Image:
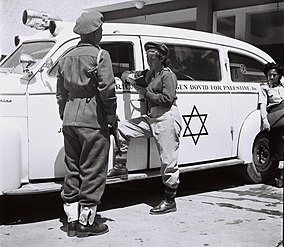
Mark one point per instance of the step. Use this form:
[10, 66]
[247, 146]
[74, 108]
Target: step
[47, 187]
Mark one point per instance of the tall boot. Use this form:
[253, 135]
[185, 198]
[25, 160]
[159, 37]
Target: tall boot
[119, 170]
[72, 212]
[87, 225]
[279, 180]
[168, 204]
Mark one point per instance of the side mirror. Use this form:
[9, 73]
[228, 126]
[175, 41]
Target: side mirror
[48, 63]
[27, 61]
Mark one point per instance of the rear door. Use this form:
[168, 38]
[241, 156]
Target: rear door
[246, 74]
[203, 102]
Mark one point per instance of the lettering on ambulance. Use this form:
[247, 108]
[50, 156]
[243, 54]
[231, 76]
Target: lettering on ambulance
[199, 87]
[182, 87]
[195, 135]
[6, 100]
[122, 86]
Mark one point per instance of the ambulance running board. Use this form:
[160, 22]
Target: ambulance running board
[39, 188]
[35, 188]
[183, 169]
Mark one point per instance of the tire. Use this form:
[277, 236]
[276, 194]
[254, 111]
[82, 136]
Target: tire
[262, 169]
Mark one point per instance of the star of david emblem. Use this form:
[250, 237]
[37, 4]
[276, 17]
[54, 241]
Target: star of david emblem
[195, 125]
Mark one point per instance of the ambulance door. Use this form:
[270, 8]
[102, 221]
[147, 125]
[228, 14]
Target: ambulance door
[125, 52]
[246, 74]
[46, 155]
[203, 103]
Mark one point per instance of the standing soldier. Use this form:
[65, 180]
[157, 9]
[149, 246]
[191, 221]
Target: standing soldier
[87, 106]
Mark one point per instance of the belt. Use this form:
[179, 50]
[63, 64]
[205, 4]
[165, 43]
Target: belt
[157, 111]
[81, 96]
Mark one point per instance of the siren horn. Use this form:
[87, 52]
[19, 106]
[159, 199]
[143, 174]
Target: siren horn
[38, 19]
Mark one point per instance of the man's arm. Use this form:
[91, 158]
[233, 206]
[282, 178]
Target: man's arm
[106, 87]
[167, 95]
[61, 95]
[263, 108]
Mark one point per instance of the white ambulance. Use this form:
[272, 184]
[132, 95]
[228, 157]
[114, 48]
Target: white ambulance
[218, 83]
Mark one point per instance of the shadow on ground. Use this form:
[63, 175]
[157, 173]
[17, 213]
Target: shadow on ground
[35, 208]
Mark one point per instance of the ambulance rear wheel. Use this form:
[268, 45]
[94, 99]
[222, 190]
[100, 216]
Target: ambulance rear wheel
[262, 169]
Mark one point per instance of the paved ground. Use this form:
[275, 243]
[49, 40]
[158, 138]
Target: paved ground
[215, 209]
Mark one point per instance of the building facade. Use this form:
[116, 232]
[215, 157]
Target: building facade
[259, 22]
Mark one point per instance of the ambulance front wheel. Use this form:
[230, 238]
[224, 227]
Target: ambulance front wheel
[261, 169]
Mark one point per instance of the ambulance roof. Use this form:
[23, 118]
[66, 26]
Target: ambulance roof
[129, 29]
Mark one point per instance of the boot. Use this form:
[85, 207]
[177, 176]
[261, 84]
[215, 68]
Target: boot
[118, 171]
[167, 205]
[279, 181]
[87, 225]
[71, 210]
[91, 230]
[72, 228]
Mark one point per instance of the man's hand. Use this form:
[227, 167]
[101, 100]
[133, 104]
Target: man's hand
[113, 130]
[112, 119]
[141, 90]
[124, 76]
[265, 124]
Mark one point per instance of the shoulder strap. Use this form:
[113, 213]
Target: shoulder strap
[99, 55]
[94, 69]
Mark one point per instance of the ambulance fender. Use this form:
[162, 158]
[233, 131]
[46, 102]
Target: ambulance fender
[10, 155]
[248, 132]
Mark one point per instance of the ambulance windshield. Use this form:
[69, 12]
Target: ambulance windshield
[36, 50]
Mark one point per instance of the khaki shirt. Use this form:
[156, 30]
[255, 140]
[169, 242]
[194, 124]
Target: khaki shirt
[84, 101]
[271, 95]
[161, 89]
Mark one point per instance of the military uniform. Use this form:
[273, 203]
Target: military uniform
[87, 104]
[162, 122]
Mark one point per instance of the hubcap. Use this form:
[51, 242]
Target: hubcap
[261, 156]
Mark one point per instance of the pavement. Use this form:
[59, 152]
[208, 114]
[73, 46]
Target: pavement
[227, 214]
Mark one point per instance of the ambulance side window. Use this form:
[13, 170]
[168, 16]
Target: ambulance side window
[36, 50]
[53, 71]
[121, 54]
[245, 69]
[194, 63]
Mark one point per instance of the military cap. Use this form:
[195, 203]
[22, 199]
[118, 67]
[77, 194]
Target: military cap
[162, 48]
[88, 22]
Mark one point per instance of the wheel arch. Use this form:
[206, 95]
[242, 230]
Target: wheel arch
[13, 153]
[247, 136]
[251, 138]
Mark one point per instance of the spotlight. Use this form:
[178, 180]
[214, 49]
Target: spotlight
[139, 4]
